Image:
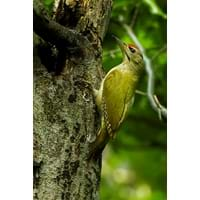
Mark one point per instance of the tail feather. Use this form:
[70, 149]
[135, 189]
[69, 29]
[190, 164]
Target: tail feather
[99, 144]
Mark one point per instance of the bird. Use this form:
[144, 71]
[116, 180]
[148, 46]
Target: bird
[116, 94]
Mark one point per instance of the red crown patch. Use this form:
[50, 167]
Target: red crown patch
[132, 45]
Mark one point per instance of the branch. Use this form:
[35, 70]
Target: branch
[111, 53]
[155, 104]
[137, 8]
[159, 52]
[53, 32]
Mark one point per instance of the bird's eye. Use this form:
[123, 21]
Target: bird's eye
[132, 49]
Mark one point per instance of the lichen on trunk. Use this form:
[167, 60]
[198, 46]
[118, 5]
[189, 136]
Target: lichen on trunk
[65, 115]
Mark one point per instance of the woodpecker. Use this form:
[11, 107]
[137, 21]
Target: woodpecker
[116, 94]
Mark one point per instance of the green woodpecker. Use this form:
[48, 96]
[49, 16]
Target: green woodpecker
[116, 94]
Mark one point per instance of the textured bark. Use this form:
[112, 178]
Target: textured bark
[65, 116]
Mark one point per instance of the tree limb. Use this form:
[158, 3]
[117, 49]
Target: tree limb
[162, 111]
[53, 32]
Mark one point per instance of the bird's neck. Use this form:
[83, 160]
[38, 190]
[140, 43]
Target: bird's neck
[133, 67]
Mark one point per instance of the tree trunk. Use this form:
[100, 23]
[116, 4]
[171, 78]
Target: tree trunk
[65, 116]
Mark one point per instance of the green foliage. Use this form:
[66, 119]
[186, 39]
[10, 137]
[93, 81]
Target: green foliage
[48, 5]
[134, 165]
[155, 9]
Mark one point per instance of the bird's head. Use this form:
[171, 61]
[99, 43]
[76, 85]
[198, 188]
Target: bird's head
[131, 54]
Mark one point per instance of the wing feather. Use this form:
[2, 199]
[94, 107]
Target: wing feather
[116, 97]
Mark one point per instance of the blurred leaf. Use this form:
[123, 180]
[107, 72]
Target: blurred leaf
[155, 9]
[48, 5]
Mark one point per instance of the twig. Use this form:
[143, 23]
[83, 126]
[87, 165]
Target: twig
[159, 52]
[111, 53]
[148, 66]
[135, 15]
[140, 93]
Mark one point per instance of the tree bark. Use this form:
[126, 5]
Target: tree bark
[65, 116]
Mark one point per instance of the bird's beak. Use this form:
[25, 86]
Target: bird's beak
[123, 46]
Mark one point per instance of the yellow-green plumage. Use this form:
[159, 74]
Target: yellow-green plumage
[115, 102]
[116, 93]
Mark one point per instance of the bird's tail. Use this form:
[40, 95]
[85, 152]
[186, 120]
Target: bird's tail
[99, 144]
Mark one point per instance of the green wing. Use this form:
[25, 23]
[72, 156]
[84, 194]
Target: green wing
[117, 95]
